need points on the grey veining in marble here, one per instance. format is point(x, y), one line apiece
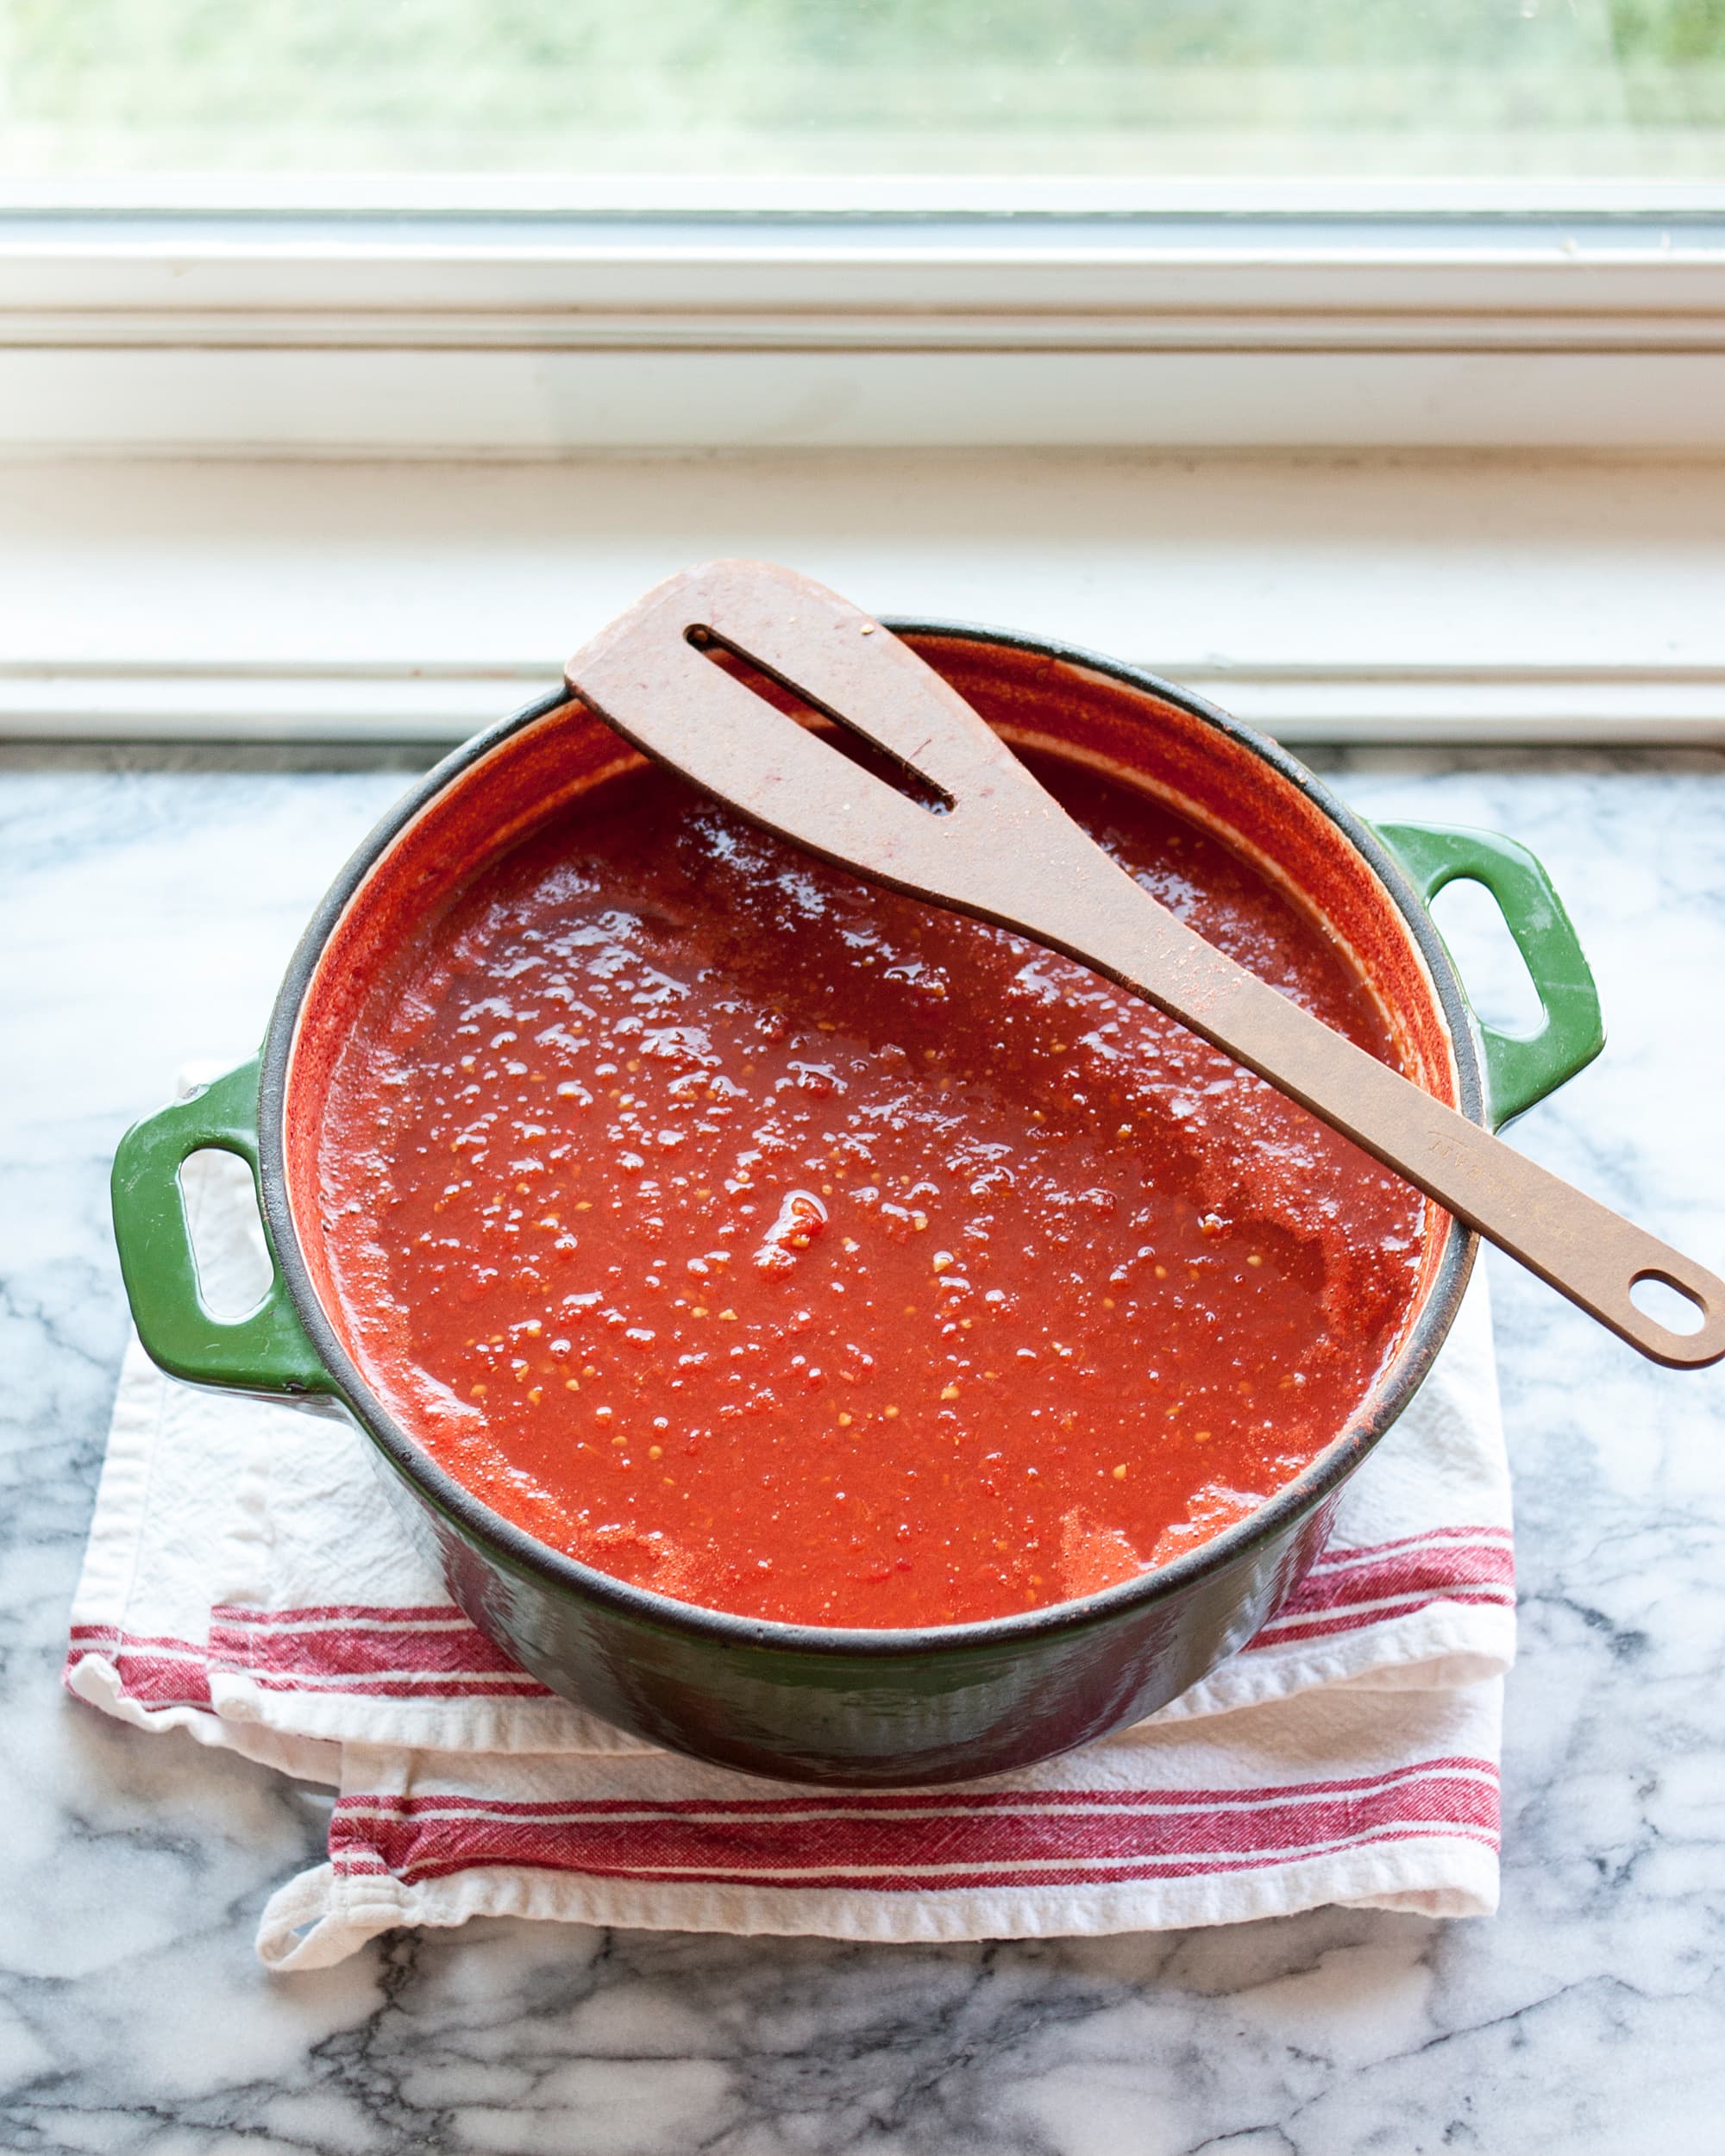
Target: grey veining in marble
point(145, 914)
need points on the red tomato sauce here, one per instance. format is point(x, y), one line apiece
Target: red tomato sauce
point(796, 1249)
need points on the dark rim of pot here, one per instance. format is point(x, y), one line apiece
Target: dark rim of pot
point(520, 1552)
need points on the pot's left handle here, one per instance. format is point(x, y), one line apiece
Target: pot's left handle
point(266, 1352)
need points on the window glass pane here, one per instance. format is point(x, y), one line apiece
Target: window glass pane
point(1008, 88)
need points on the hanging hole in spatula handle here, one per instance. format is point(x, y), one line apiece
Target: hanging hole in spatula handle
point(1667, 1303)
point(1653, 1296)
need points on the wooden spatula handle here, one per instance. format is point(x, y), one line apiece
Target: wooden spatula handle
point(1579, 1246)
point(1004, 850)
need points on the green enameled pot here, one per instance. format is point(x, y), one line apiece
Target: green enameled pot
point(796, 1701)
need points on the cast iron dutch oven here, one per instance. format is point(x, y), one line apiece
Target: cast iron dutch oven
point(801, 1702)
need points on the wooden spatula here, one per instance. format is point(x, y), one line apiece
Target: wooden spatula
point(1005, 851)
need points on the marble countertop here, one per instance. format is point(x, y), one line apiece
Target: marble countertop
point(148, 903)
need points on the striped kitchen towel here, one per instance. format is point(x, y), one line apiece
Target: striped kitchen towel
point(248, 1582)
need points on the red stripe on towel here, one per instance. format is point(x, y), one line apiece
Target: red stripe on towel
point(433, 1651)
point(924, 1842)
point(158, 1673)
point(1364, 1579)
point(408, 1644)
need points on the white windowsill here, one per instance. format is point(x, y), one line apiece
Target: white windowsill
point(1391, 599)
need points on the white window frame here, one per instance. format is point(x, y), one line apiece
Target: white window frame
point(514, 319)
point(993, 347)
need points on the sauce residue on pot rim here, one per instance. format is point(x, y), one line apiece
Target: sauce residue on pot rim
point(795, 1249)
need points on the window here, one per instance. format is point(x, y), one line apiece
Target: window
point(533, 228)
point(301, 96)
point(977, 263)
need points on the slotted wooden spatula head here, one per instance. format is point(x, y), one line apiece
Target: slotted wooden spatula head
point(959, 837)
point(978, 833)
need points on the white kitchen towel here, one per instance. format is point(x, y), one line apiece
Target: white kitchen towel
point(249, 1581)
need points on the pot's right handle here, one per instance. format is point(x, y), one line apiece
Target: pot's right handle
point(266, 1352)
point(1519, 1068)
